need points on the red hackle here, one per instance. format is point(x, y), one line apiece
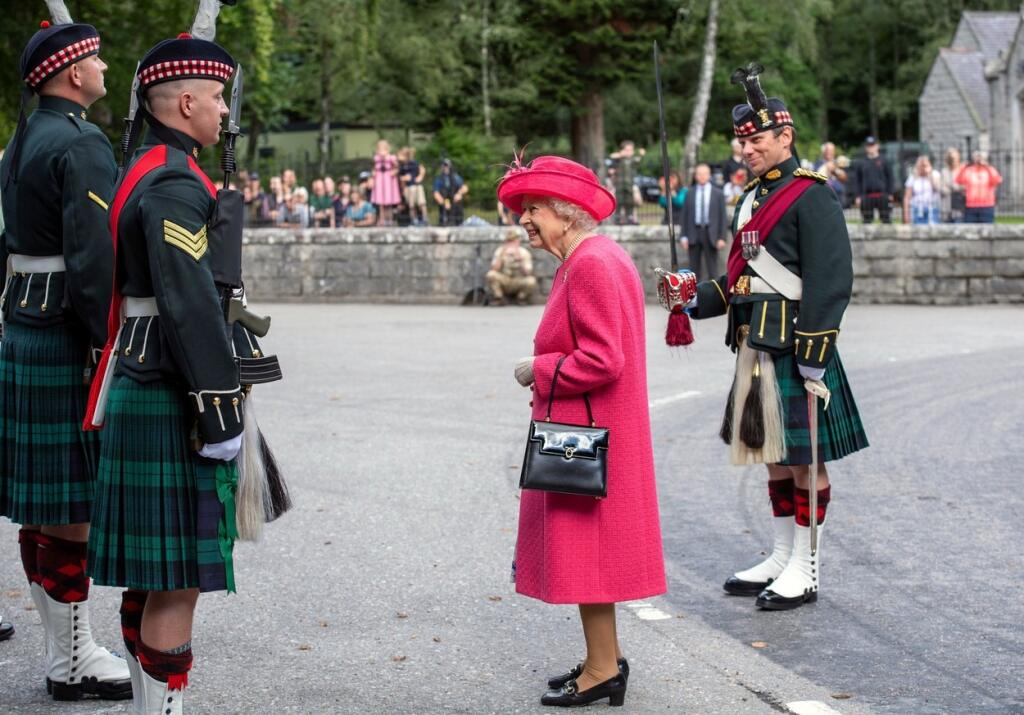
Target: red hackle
point(679, 332)
point(177, 681)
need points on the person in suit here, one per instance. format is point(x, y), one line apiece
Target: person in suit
point(705, 224)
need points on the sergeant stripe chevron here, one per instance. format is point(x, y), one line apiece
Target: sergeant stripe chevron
point(194, 244)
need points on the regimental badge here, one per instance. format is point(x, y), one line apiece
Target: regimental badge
point(195, 152)
point(83, 116)
point(763, 116)
point(773, 175)
point(194, 244)
point(750, 244)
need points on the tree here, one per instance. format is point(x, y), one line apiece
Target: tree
point(700, 105)
point(589, 46)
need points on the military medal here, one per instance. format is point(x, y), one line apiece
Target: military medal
point(750, 244)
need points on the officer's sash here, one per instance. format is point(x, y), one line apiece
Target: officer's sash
point(770, 213)
point(100, 387)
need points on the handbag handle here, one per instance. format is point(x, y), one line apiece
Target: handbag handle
point(551, 397)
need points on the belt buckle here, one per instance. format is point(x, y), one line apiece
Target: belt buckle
point(742, 286)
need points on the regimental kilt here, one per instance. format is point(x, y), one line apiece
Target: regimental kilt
point(164, 517)
point(840, 431)
point(47, 462)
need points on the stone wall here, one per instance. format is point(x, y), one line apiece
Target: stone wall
point(892, 264)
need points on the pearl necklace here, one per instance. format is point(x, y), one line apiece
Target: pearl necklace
point(574, 244)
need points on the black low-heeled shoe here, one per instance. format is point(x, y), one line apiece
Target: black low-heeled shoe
point(560, 680)
point(737, 587)
point(6, 631)
point(568, 696)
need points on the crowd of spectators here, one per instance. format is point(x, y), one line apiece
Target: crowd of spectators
point(391, 194)
point(394, 192)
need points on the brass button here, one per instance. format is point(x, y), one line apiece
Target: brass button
point(127, 351)
point(216, 402)
point(256, 354)
point(43, 307)
point(23, 303)
point(142, 358)
point(756, 204)
point(234, 401)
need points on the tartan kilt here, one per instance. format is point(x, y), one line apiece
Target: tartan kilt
point(47, 462)
point(164, 516)
point(840, 431)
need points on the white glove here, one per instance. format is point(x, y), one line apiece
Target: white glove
point(811, 373)
point(524, 371)
point(225, 451)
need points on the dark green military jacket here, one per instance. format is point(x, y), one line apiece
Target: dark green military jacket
point(57, 205)
point(163, 252)
point(811, 241)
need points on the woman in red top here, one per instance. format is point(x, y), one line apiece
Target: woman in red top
point(577, 549)
point(979, 180)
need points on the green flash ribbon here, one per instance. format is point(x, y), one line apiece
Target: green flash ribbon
point(227, 531)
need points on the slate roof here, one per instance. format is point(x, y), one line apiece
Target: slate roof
point(968, 71)
point(995, 30)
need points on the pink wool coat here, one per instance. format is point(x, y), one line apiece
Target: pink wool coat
point(575, 549)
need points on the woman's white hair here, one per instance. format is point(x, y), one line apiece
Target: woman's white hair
point(569, 212)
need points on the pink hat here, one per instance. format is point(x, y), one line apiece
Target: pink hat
point(558, 177)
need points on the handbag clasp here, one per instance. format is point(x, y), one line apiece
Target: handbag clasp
point(569, 451)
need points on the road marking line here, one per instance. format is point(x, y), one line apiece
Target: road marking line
point(662, 401)
point(811, 707)
point(647, 612)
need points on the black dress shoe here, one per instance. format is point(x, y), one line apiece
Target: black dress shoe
point(736, 587)
point(6, 631)
point(568, 696)
point(771, 601)
point(558, 681)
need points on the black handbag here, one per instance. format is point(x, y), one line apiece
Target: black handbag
point(564, 458)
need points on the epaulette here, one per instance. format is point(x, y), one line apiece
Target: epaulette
point(811, 175)
point(752, 184)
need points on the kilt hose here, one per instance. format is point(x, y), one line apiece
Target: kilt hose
point(840, 431)
point(47, 462)
point(164, 517)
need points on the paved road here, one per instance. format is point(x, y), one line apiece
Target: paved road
point(386, 589)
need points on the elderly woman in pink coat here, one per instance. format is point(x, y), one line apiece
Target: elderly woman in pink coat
point(577, 549)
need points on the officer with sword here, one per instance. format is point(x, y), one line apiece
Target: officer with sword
point(791, 407)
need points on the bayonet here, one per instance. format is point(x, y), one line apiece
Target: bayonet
point(129, 121)
point(227, 161)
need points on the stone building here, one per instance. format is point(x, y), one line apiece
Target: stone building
point(974, 96)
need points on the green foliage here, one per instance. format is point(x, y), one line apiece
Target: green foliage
point(418, 64)
point(474, 156)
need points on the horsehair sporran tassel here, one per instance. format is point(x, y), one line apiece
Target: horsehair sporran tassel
point(279, 499)
point(740, 453)
point(726, 430)
point(752, 417)
point(252, 496)
point(774, 449)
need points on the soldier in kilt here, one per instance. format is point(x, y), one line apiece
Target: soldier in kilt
point(169, 400)
point(789, 281)
point(57, 176)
